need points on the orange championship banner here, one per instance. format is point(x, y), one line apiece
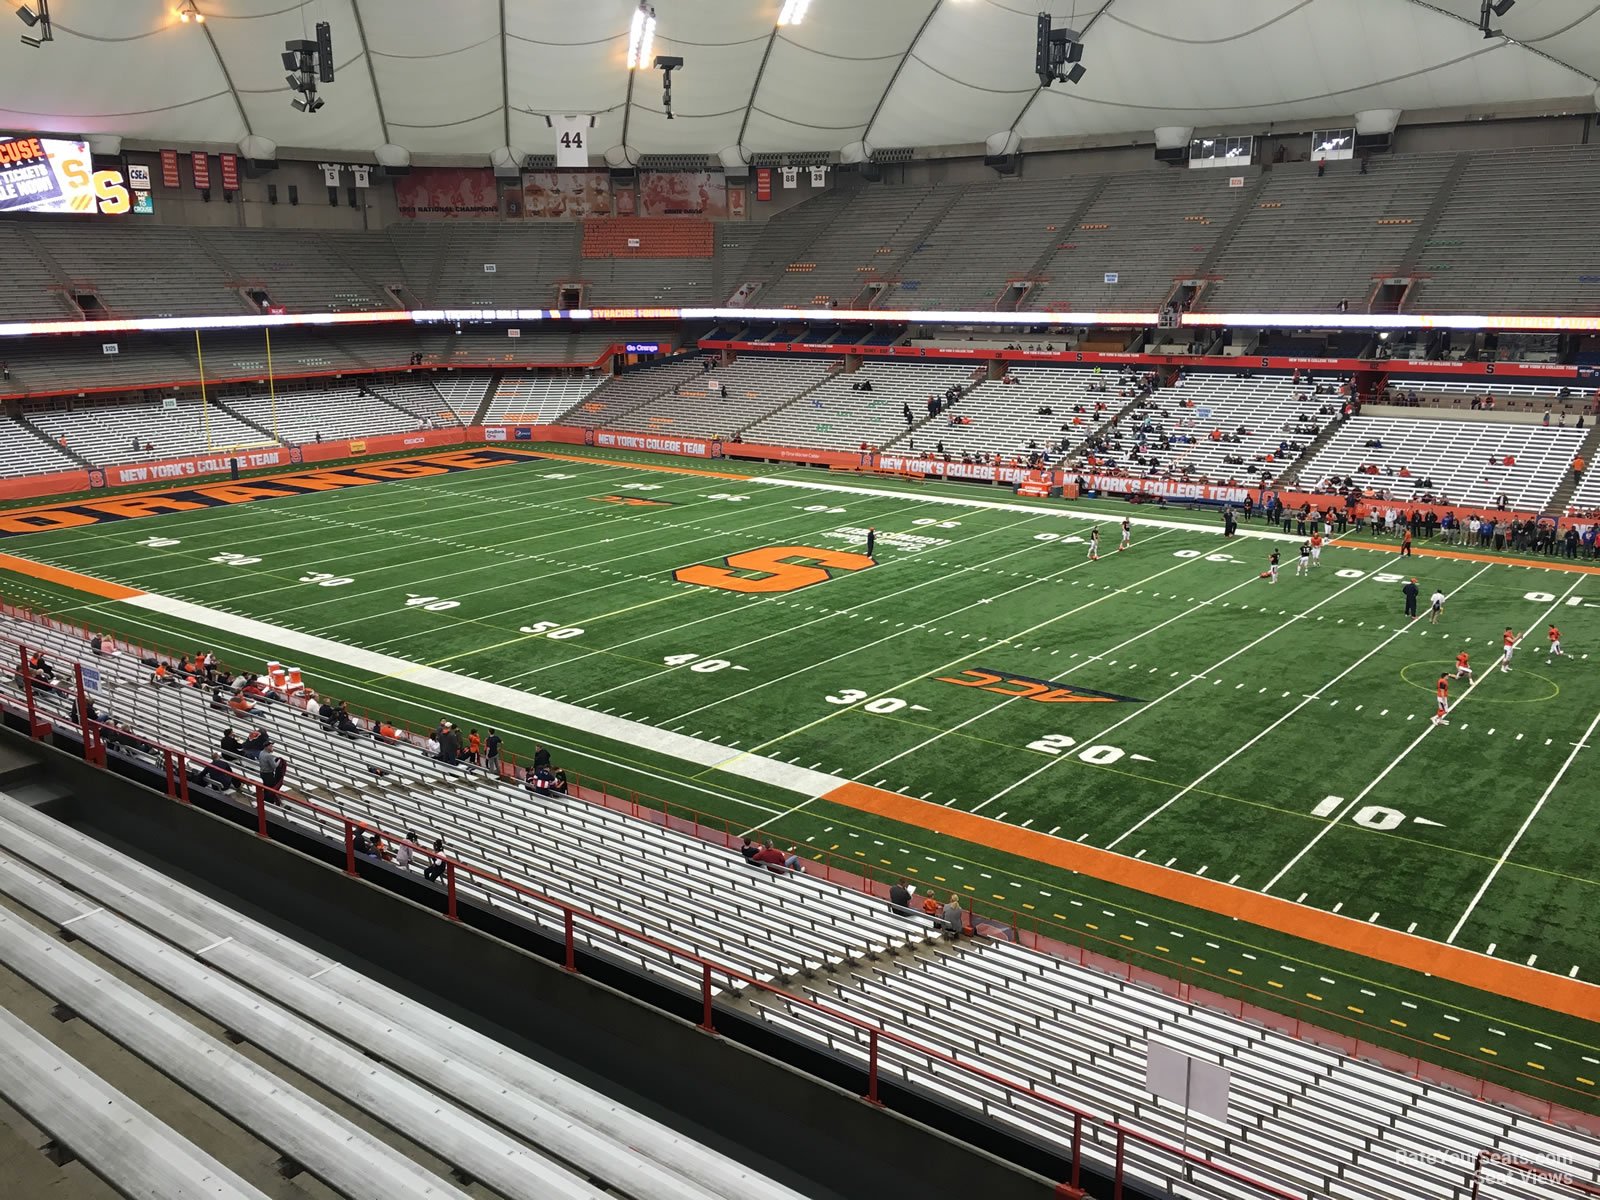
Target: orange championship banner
point(448, 193)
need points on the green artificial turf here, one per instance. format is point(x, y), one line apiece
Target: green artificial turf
point(1166, 703)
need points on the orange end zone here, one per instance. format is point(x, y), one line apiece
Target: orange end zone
point(1511, 980)
point(67, 579)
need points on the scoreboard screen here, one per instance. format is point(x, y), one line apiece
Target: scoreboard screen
point(48, 175)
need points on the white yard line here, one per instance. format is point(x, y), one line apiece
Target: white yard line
point(1581, 744)
point(1145, 708)
point(912, 627)
point(989, 712)
point(720, 614)
point(703, 753)
point(1101, 518)
point(1349, 808)
point(725, 651)
point(1308, 700)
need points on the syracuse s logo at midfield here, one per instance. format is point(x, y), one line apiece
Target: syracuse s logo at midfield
point(773, 569)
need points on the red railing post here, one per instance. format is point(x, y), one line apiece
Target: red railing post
point(450, 891)
point(83, 709)
point(349, 847)
point(182, 769)
point(261, 811)
point(1077, 1149)
point(872, 1068)
point(706, 1021)
point(27, 691)
point(569, 941)
point(1116, 1184)
point(166, 762)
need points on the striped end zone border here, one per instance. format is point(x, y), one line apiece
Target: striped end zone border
point(1513, 981)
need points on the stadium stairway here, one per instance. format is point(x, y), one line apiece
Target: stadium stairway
point(1064, 230)
point(35, 431)
point(1241, 214)
point(1430, 219)
point(482, 415)
point(783, 404)
point(1291, 474)
point(1562, 496)
point(266, 434)
point(978, 376)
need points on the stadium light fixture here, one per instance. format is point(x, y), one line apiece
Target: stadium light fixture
point(1493, 8)
point(188, 13)
point(793, 12)
point(667, 64)
point(642, 37)
point(1058, 53)
point(36, 16)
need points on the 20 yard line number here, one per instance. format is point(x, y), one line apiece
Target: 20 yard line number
point(1095, 756)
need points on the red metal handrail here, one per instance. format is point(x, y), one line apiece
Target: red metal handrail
point(1061, 943)
point(176, 762)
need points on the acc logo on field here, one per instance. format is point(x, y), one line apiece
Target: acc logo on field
point(773, 569)
point(1021, 687)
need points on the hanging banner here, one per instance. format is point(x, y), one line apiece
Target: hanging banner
point(819, 176)
point(330, 174)
point(791, 177)
point(447, 193)
point(200, 167)
point(683, 194)
point(736, 199)
point(552, 195)
point(627, 201)
point(572, 141)
point(763, 183)
point(363, 176)
point(169, 170)
point(230, 171)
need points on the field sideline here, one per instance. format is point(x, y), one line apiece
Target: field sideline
point(1163, 710)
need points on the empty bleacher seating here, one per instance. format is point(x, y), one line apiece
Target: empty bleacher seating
point(1471, 462)
point(838, 416)
point(648, 237)
point(756, 385)
point(526, 399)
point(107, 433)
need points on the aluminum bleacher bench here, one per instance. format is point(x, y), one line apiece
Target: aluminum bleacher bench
point(611, 1142)
point(124, 1145)
point(469, 1144)
point(305, 1131)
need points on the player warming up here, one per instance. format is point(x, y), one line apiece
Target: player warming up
point(1094, 544)
point(1510, 644)
point(1435, 607)
point(1441, 714)
point(1463, 671)
point(1555, 643)
point(1316, 549)
point(1272, 568)
point(1303, 566)
point(1127, 535)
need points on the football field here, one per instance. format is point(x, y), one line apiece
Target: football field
point(1157, 753)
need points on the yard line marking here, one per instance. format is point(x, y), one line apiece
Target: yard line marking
point(923, 745)
point(744, 608)
point(1270, 728)
point(1351, 807)
point(1532, 816)
point(853, 650)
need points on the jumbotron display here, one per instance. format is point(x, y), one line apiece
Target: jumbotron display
point(48, 175)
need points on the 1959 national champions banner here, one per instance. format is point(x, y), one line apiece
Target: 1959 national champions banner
point(46, 175)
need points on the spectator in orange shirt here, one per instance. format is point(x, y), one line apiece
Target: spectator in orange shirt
point(474, 745)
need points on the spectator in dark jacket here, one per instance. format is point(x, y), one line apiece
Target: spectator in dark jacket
point(255, 744)
point(900, 897)
point(273, 767)
point(231, 743)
